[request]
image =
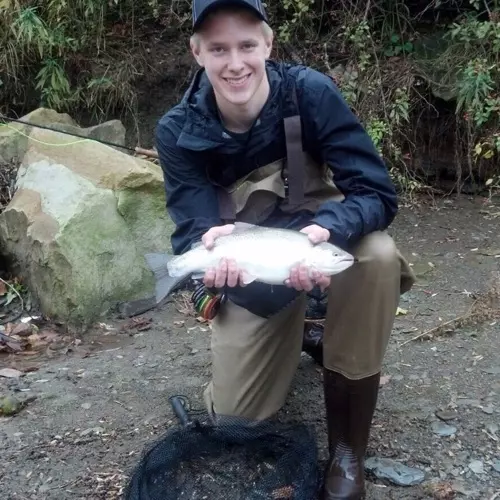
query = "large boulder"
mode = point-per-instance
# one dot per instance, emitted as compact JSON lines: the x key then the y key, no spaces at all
{"x":14,"y":138}
{"x":82,"y":218}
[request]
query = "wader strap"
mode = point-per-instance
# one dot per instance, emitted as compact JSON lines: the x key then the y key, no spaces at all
{"x":227,"y":211}
{"x":296,"y":158}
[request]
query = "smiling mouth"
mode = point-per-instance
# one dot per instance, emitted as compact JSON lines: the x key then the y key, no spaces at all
{"x":237,"y":82}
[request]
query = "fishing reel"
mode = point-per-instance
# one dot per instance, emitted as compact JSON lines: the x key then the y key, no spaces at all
{"x":207,"y":302}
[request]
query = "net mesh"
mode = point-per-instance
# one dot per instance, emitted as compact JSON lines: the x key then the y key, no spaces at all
{"x":232,"y":459}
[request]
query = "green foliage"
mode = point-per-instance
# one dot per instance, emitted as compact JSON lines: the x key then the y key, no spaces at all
{"x":378,"y":60}
{"x":390,"y":62}
{"x":297,"y":13}
{"x":479,"y":82}
{"x":59,"y":52}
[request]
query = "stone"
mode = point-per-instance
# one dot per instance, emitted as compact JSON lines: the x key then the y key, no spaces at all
{"x":9,"y":405}
{"x":394,"y":471}
{"x":14,"y":139}
{"x":476,"y":466}
{"x":442,"y":429}
{"x":79,"y":224}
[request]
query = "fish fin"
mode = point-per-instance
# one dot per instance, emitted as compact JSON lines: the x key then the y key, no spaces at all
{"x":247,"y":278}
{"x":196,"y":244}
{"x":242,"y":226}
{"x":158,"y":261}
{"x":165,"y":284}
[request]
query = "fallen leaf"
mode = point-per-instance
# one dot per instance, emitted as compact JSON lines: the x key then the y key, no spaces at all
{"x":401,"y":312}
{"x":10,"y":373}
{"x":3,"y":288}
{"x":443,"y":491}
{"x":384,"y":379}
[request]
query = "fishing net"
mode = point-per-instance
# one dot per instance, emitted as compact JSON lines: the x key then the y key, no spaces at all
{"x":233,"y":460}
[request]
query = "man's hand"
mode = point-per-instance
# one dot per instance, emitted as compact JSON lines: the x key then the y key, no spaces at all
{"x":317,"y":234}
{"x":227,"y":271}
{"x":299,"y":276}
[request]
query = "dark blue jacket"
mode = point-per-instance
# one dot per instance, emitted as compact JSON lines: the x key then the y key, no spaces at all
{"x":193,"y":144}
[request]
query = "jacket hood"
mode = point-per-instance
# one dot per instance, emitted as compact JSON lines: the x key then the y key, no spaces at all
{"x":203,"y":130}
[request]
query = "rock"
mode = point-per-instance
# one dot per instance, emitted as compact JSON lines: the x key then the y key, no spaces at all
{"x":443,"y":429}
{"x":492,"y":428}
{"x":496,"y":465}
{"x":79,"y":224}
{"x":9,"y":405}
{"x":13,"y":145}
{"x":494,"y":370}
{"x":94,"y":430}
{"x":488,"y":409}
{"x":476,"y":466}
{"x":22,"y":330}
{"x":396,"y":472}
{"x":446,"y":415}
{"x":10,"y":373}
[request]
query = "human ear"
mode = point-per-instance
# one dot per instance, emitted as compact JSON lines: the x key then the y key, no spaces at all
{"x":268,"y":45}
{"x":195,"y":45}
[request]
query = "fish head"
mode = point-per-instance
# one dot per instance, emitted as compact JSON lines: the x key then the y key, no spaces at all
{"x":328,"y":259}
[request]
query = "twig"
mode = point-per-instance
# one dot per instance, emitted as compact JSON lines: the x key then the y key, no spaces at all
{"x":15,"y":291}
{"x":64,"y":485}
{"x":365,"y":17}
{"x":487,"y":9}
{"x":436,"y":328}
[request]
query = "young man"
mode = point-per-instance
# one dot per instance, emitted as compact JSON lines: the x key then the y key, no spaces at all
{"x":274,"y":144}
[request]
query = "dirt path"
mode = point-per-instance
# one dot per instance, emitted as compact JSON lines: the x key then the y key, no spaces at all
{"x":99,"y":404}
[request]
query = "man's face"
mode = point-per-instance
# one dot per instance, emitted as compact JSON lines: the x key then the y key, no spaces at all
{"x":233,"y":50}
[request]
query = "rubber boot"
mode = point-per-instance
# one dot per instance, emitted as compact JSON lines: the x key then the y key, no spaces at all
{"x":312,"y":342}
{"x":350,"y":405}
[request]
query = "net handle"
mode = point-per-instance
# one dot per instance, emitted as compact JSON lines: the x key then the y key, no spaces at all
{"x":179,"y":409}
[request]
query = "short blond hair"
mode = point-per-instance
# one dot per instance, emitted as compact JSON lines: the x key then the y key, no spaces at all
{"x":267,"y":31}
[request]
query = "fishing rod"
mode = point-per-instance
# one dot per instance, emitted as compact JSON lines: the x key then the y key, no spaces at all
{"x":146,"y":152}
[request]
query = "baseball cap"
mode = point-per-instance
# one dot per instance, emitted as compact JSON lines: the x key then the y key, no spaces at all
{"x":203,"y":7}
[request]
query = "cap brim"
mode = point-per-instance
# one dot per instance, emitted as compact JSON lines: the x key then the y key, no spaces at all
{"x":221,"y":3}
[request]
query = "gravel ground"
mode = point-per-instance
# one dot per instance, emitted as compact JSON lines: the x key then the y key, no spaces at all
{"x":90,"y":409}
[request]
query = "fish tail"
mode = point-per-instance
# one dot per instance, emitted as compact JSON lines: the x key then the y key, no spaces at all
{"x":165,"y":283}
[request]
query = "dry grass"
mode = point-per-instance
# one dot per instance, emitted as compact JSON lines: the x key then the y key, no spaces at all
{"x":108,"y":485}
{"x":183,"y":304}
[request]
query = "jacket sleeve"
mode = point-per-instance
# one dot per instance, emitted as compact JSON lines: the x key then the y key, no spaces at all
{"x":341,"y":142}
{"x":191,"y":199}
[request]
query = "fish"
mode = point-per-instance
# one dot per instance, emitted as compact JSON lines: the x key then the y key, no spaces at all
{"x":263,"y":254}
